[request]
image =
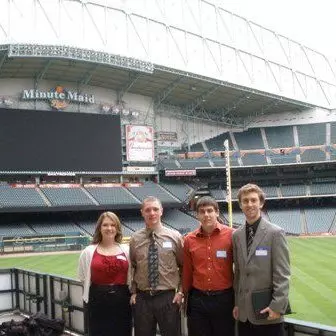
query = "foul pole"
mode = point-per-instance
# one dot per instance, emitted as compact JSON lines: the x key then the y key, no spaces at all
{"x":228,"y":180}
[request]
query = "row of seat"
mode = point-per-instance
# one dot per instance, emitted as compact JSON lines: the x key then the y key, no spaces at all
{"x":249,"y":159}
{"x":275,"y":137}
{"x":284,"y":190}
{"x":293,"y":220}
{"x":168,"y":193}
{"x":298,"y":220}
{"x":74,"y":196}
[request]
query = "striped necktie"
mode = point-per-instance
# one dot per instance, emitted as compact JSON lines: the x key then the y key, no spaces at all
{"x":153,"y":262}
{"x":250,"y":236}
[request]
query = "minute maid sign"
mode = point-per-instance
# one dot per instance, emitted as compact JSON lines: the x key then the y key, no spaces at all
{"x":59,"y":97}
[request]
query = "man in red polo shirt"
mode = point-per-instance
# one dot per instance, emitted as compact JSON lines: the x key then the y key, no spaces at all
{"x":208,"y":275}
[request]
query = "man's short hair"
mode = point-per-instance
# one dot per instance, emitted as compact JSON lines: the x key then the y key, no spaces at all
{"x":207,"y":201}
{"x":248,"y":188}
{"x":150,"y":199}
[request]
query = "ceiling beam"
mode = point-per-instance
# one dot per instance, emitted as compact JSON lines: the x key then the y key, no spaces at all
{"x":180,"y":112}
{"x":240,"y":88}
{"x":88,"y":76}
{"x":2,"y":60}
{"x":201,"y":99}
{"x":43,"y":71}
{"x":163,"y":94}
{"x":133,"y":77}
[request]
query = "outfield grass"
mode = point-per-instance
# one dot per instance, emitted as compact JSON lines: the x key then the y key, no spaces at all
{"x":313,"y":285}
{"x":57,"y":264}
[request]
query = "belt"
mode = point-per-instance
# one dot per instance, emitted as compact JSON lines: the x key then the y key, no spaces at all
{"x":154,"y":292}
{"x":211,"y":292}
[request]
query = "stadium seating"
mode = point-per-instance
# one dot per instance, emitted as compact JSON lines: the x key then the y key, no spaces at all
{"x":52,"y":226}
{"x":238,"y":217}
{"x":126,"y":231}
{"x":15,"y":229}
{"x":66,"y":196}
{"x":197,"y":147}
{"x":112,"y":195}
{"x":333,"y":132}
{"x":250,"y":139}
{"x":312,"y":134}
{"x":87,"y":225}
{"x":179,"y":221}
{"x":270,"y":191}
{"x":283,"y":159}
{"x":219,"y":162}
{"x":20,"y":197}
{"x":280,"y":137}
{"x":133,"y":223}
{"x":319,"y":220}
{"x":234,"y":159}
{"x":180,"y":190}
{"x":152,"y":189}
{"x":217,"y":143}
{"x":326,"y":188}
{"x":254,"y":159}
{"x":234,"y":193}
{"x":313,"y":155}
{"x":194,"y":163}
{"x":218,"y":194}
{"x":288,"y":219}
{"x":168,"y":164}
{"x":289,"y":190}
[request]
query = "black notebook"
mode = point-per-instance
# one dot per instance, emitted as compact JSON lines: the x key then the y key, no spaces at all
{"x":260,"y":300}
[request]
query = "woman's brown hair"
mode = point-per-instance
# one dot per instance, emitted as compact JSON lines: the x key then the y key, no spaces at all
{"x":97,"y":236}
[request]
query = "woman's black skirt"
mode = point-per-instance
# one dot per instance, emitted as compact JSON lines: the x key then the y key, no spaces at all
{"x":109,"y":310}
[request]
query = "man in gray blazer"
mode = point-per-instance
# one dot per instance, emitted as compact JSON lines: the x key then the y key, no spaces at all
{"x":262,"y":269}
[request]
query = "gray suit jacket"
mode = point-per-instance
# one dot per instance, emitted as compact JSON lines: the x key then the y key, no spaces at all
{"x":266,"y":267}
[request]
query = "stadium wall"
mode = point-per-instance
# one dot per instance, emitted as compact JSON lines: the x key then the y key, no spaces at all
{"x":13,"y":89}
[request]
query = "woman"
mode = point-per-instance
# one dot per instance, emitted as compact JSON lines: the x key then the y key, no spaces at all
{"x":104,"y":269}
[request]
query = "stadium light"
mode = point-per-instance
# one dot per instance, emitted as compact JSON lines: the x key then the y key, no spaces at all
{"x":87,"y":55}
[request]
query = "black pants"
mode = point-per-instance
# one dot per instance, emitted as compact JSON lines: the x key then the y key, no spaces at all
{"x":210,"y":315}
{"x":249,"y":329}
{"x":109,"y":310}
{"x":150,"y":311}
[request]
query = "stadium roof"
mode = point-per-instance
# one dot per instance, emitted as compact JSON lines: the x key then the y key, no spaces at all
{"x":193,"y":95}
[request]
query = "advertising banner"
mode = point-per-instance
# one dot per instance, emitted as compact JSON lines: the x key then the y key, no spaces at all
{"x":139,"y":143}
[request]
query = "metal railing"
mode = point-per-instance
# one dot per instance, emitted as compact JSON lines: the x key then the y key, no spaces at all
{"x":27,"y":292}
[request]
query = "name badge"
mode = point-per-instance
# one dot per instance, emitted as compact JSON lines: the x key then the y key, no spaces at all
{"x":221,"y":254}
{"x":261,"y":252}
{"x":167,"y":244}
{"x":121,"y":257}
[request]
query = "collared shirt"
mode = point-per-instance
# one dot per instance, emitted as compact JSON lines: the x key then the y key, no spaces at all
{"x":170,"y":249}
{"x":207,"y":259}
{"x":254,"y":227}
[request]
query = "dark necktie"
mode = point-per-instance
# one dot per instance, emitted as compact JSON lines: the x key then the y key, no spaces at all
{"x":250,"y":236}
{"x":153,"y":263}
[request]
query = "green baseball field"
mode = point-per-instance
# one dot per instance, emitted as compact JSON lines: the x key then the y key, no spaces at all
{"x":313,"y":284}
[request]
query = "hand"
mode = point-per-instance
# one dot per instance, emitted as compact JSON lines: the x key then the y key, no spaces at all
{"x":272,"y":315}
{"x":178,"y":298}
{"x":133,"y":299}
{"x":235,"y":312}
